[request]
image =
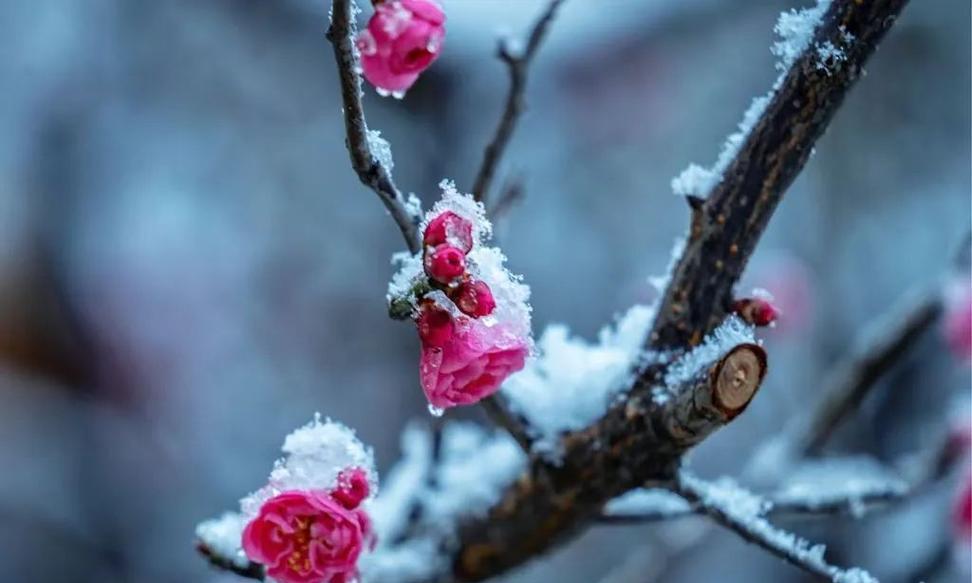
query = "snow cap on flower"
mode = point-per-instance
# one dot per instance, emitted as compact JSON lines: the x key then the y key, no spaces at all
{"x":315,"y":455}
{"x":402,"y":39}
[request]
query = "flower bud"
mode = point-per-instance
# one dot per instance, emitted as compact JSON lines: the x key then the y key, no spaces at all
{"x":352,"y":488}
{"x":474,"y":298}
{"x":435,"y":326}
{"x":445,"y":263}
{"x":756,"y":311}
{"x":401,"y":40}
{"x":449,"y":228}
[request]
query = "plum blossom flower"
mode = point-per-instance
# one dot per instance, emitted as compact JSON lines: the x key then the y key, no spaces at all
{"x":472,"y":364}
{"x":401,"y":40}
{"x":307,"y":537}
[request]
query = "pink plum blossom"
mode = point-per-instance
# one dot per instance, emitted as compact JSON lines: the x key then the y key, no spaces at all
{"x":402,"y":39}
{"x":307,"y":537}
{"x":472,"y":364}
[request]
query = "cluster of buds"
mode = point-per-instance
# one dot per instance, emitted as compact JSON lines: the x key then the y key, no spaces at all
{"x":447,"y":241}
{"x":402,"y":39}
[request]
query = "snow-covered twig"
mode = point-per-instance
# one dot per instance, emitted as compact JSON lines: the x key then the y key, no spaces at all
{"x":853,"y":505}
{"x":879,"y":348}
{"x":742,"y":513}
{"x":517,"y":64}
{"x":247,"y":570}
{"x":372,"y":172}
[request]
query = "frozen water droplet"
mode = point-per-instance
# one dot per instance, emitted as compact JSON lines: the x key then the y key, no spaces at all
{"x":382,"y":92}
{"x":398,"y":94}
{"x":435,"y":411}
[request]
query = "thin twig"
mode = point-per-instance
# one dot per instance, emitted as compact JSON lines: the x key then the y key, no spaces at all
{"x":369,"y":167}
{"x":249,"y":571}
{"x":879,"y":349}
{"x":499,"y":412}
{"x":853,"y":505}
{"x":755,"y":529}
{"x":517,"y":64}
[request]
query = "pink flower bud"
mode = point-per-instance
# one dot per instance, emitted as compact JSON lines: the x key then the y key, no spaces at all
{"x":756,"y":311}
{"x":305,"y":536}
{"x":435,"y":326}
{"x":474,"y":298}
{"x":449,"y":228}
{"x":445,"y":263}
{"x":402,"y":39}
{"x":352,"y":488}
{"x":962,"y":513}
{"x":471,"y":365}
{"x":958,"y":318}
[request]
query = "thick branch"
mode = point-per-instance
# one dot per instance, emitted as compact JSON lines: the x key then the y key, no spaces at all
{"x":371,"y":171}
{"x":515,"y":102}
{"x":727,"y":226}
{"x":634,"y":443}
{"x":880,"y":348}
{"x":640,"y":443}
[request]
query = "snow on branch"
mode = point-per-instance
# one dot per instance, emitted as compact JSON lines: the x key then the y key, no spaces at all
{"x":517,"y":64}
{"x":842,"y":486}
{"x":370,"y":154}
{"x":743,"y":513}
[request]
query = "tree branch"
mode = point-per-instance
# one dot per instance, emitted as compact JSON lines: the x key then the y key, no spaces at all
{"x":728,"y":512}
{"x":642,"y":443}
{"x":369,"y":167}
{"x":728,"y":224}
{"x":635,"y":442}
{"x":515,"y":102}
{"x":878,"y":350}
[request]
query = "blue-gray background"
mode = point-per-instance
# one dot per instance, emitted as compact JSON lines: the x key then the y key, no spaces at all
{"x":189,"y":268}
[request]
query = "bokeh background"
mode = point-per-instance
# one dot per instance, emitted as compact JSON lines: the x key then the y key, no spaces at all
{"x":189,"y":268}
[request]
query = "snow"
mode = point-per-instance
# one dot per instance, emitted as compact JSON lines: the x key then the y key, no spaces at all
{"x":732,"y":332}
{"x":475,"y":465}
{"x":314,"y":455}
{"x":223,"y":536}
{"x":818,"y":483}
{"x":571,"y":382}
{"x":795,"y":29}
{"x":648,"y":501}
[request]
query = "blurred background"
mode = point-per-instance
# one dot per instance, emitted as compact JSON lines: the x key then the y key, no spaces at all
{"x":189,"y":268}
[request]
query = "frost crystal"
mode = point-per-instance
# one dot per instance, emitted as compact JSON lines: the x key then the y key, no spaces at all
{"x":795,"y":29}
{"x":314,"y":455}
{"x":572,"y":381}
{"x":644,"y":501}
{"x":821,"y":482}
{"x":381,"y":149}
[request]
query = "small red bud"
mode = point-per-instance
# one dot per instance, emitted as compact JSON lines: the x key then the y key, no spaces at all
{"x":352,"y":488}
{"x":474,"y":298}
{"x":756,"y":311}
{"x":449,"y":228}
{"x":445,"y":263}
